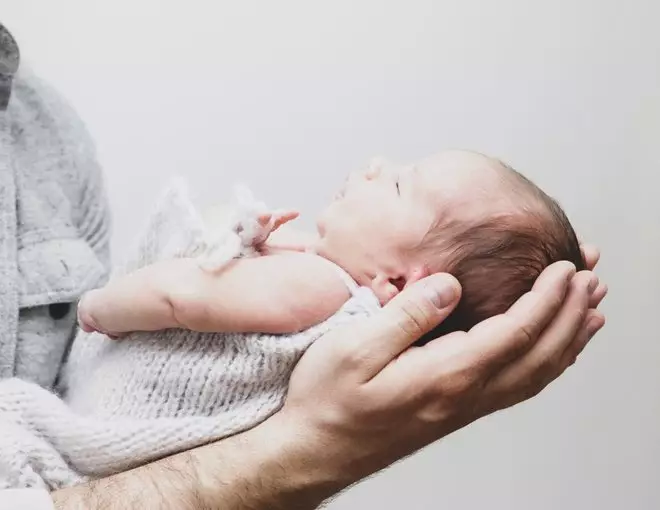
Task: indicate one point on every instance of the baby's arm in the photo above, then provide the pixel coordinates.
(281, 293)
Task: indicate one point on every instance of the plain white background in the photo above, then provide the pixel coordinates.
(289, 96)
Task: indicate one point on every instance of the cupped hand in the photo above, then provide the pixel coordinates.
(363, 398)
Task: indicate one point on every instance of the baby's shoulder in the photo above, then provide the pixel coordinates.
(322, 290)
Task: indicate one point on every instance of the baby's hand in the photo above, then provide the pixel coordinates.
(86, 316)
(143, 299)
(270, 222)
(249, 236)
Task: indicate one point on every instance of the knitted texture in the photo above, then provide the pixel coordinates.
(54, 228)
(152, 394)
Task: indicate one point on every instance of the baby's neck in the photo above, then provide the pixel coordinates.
(289, 239)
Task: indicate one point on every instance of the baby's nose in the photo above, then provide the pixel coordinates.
(374, 169)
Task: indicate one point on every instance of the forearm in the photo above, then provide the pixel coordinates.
(276, 294)
(265, 468)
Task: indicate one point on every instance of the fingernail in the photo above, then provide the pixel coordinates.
(440, 294)
(593, 283)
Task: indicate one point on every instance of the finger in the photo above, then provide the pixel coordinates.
(496, 341)
(592, 324)
(462, 358)
(286, 214)
(591, 255)
(411, 314)
(264, 219)
(534, 370)
(534, 318)
(598, 295)
(595, 323)
(559, 335)
(282, 217)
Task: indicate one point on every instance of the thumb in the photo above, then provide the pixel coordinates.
(264, 219)
(415, 311)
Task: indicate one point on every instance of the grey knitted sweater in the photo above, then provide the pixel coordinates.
(54, 228)
(131, 401)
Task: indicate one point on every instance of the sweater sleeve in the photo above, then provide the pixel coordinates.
(94, 222)
(81, 176)
(25, 499)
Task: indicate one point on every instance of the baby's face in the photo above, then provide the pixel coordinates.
(385, 210)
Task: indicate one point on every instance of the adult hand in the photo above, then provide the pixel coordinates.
(364, 398)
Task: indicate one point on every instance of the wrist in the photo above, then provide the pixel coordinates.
(276, 465)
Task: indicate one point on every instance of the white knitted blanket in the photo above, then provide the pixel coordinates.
(149, 395)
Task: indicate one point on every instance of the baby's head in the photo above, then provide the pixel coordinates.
(458, 212)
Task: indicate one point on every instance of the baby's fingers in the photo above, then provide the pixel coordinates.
(276, 219)
(264, 219)
(281, 217)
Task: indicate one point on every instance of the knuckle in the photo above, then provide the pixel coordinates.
(414, 321)
(527, 332)
(519, 337)
(457, 389)
(580, 313)
(524, 334)
(463, 383)
(354, 358)
(352, 355)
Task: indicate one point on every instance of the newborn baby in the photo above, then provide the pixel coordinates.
(212, 357)
(458, 212)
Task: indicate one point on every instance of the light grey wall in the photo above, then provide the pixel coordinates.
(291, 95)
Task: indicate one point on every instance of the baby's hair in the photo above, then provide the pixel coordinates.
(498, 259)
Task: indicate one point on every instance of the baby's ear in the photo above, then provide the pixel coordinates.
(384, 288)
(415, 274)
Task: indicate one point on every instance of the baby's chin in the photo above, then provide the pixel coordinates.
(322, 220)
(319, 245)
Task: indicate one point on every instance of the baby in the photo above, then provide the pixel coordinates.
(458, 212)
(212, 356)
